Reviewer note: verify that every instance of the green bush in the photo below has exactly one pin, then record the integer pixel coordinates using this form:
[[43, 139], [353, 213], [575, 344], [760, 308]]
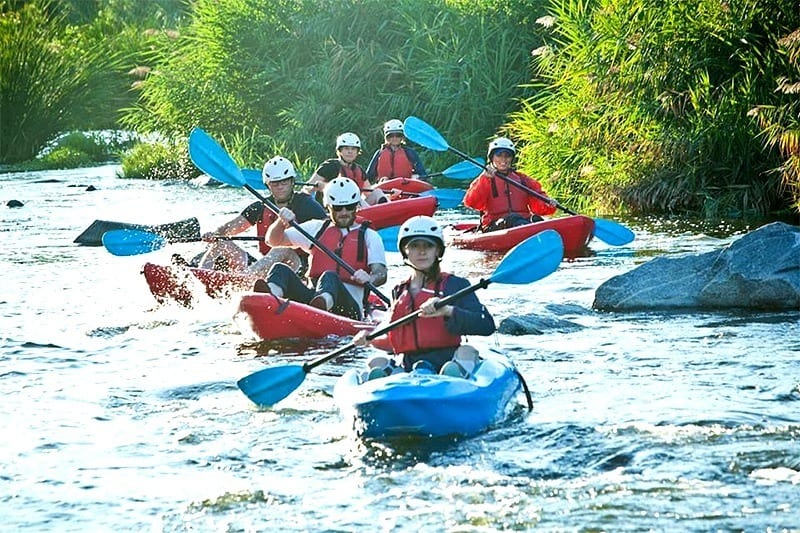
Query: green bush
[[298, 73], [643, 105], [158, 161]]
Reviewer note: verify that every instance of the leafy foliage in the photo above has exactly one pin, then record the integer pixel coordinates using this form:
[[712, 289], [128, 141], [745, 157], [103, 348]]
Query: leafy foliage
[[298, 73], [643, 105], [56, 77]]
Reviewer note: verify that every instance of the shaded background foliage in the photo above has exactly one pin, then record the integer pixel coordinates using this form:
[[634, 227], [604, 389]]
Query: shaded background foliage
[[624, 105], [298, 73], [67, 66]]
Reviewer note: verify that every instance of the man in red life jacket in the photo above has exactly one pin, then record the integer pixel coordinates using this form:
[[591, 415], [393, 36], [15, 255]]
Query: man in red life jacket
[[330, 287], [348, 148], [434, 339], [501, 204], [394, 159], [279, 176]]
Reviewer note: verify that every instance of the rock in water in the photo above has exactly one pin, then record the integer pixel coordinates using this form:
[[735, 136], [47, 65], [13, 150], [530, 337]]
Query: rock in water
[[761, 270]]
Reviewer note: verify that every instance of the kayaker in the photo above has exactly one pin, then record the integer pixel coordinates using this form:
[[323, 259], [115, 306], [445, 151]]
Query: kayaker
[[501, 204], [279, 176], [394, 159], [348, 148], [330, 287], [433, 340]]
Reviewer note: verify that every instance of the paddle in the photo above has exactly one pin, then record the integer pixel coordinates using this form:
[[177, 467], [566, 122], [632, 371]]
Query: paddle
[[389, 238], [212, 159], [463, 170], [426, 135], [531, 260], [445, 198], [124, 242]]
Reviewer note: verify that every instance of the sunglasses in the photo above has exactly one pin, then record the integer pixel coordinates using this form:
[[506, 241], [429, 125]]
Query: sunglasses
[[389, 136], [349, 207]]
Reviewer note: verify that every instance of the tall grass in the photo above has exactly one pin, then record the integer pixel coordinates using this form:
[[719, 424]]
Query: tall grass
[[297, 73], [780, 122], [57, 75], [643, 104]]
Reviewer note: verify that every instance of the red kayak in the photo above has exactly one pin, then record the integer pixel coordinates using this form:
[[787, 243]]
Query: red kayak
[[396, 212], [576, 232], [406, 185], [181, 283], [269, 317]]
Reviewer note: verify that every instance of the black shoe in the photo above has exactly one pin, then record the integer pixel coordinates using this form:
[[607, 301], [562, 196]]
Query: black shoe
[[261, 286], [178, 260], [319, 302]]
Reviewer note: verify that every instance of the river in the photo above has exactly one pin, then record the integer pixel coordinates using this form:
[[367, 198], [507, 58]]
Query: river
[[122, 415]]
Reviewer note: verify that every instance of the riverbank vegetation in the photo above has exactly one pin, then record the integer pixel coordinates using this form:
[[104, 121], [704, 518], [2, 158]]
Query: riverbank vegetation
[[617, 106]]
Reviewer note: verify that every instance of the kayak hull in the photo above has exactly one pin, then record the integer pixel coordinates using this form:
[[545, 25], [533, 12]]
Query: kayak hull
[[181, 283], [268, 317], [576, 231], [428, 405], [396, 212], [406, 185]]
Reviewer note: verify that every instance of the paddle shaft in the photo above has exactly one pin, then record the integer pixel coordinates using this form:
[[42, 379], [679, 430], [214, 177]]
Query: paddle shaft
[[307, 367], [339, 261]]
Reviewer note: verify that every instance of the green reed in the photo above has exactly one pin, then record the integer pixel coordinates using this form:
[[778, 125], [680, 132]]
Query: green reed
[[643, 105]]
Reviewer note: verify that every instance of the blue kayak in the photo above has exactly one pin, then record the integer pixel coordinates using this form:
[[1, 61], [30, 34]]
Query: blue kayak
[[423, 404]]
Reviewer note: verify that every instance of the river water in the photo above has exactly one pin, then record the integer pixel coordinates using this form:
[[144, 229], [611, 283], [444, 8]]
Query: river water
[[120, 414]]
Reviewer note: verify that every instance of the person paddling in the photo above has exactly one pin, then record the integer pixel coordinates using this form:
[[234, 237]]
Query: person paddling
[[279, 176], [434, 340], [394, 159], [330, 287], [501, 204], [348, 148]]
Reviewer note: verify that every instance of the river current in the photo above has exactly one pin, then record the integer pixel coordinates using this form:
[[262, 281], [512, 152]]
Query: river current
[[122, 414]]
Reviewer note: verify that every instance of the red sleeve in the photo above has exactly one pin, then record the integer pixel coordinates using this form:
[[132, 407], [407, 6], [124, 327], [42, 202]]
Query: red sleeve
[[536, 205], [477, 194]]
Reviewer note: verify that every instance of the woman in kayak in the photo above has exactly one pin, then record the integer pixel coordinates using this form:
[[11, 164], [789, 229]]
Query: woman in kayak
[[348, 148], [501, 204], [433, 340], [331, 287], [394, 159], [279, 176]]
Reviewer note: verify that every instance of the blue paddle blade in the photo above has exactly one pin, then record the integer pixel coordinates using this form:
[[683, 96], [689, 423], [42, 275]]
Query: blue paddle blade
[[465, 170], [534, 258], [211, 158], [446, 198], [253, 178], [613, 233], [124, 242], [267, 387], [423, 134], [389, 238]]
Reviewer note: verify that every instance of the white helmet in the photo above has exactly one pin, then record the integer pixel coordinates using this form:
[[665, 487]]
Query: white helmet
[[348, 139], [341, 191], [501, 143], [393, 126], [277, 169], [420, 226]]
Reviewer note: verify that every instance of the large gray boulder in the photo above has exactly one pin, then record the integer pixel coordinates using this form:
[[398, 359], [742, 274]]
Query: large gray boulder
[[761, 270]]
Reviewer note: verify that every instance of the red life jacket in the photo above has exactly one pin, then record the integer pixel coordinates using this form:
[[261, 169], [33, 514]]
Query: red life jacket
[[352, 248], [425, 333], [393, 163], [261, 230], [506, 199], [354, 172]]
